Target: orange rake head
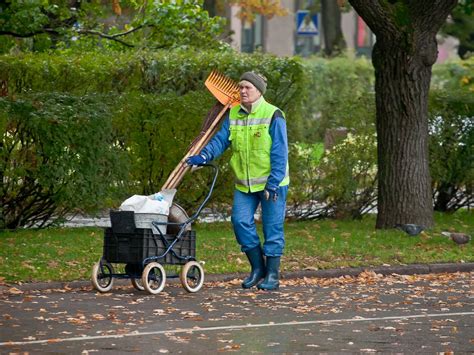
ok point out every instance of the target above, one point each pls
(223, 88)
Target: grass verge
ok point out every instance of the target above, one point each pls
(66, 254)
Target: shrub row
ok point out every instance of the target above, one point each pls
(163, 72)
(84, 131)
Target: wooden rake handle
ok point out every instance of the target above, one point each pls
(178, 173)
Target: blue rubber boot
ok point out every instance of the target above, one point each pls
(271, 279)
(257, 263)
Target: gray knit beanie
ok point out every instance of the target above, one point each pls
(258, 80)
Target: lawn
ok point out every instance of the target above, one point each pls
(65, 254)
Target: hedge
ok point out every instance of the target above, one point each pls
(150, 106)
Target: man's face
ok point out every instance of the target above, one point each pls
(248, 93)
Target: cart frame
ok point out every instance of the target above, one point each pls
(148, 273)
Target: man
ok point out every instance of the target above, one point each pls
(256, 132)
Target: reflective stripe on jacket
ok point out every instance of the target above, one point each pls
(251, 144)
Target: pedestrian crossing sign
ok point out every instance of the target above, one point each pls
(306, 23)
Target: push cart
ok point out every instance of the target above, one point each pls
(144, 251)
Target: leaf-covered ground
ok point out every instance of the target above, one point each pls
(368, 313)
(68, 253)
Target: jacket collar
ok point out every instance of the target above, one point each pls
(254, 107)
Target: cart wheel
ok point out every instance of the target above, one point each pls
(192, 276)
(138, 284)
(154, 278)
(102, 278)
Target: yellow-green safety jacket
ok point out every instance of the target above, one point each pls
(251, 144)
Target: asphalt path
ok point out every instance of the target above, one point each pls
(370, 312)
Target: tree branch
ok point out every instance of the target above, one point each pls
(433, 13)
(128, 32)
(106, 36)
(375, 16)
(113, 37)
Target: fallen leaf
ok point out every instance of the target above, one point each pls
(15, 291)
(53, 264)
(98, 316)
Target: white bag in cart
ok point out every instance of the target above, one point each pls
(147, 209)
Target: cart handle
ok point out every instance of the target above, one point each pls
(211, 189)
(196, 214)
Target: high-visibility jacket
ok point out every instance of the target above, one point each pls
(251, 144)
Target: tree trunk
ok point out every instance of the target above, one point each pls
(334, 41)
(403, 56)
(402, 88)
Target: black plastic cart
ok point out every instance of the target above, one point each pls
(144, 253)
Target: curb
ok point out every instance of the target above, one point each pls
(411, 269)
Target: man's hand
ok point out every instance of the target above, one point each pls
(270, 194)
(196, 160)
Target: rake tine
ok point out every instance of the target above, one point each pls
(224, 88)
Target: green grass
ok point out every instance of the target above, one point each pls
(65, 254)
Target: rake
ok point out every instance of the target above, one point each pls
(226, 91)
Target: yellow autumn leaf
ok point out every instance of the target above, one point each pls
(116, 7)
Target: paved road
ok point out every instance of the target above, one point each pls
(426, 313)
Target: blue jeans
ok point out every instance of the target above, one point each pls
(273, 217)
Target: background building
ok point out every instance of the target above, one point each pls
(288, 35)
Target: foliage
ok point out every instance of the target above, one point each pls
(461, 26)
(348, 176)
(154, 103)
(340, 183)
(157, 101)
(454, 76)
(303, 199)
(468, 6)
(167, 24)
(56, 157)
(66, 254)
(178, 72)
(249, 8)
(341, 95)
(452, 149)
(85, 25)
(155, 131)
(452, 134)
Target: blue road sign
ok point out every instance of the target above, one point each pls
(306, 24)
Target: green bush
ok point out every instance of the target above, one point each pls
(162, 72)
(339, 183)
(155, 101)
(454, 75)
(156, 131)
(57, 156)
(348, 177)
(452, 149)
(303, 198)
(341, 94)
(152, 104)
(452, 134)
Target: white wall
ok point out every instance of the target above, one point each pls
(280, 32)
(236, 27)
